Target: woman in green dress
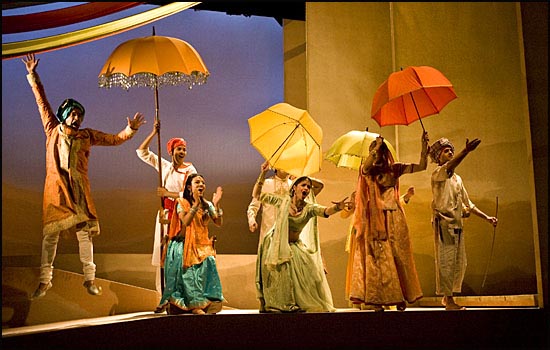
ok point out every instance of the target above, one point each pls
(289, 269)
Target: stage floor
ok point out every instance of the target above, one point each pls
(144, 315)
(493, 328)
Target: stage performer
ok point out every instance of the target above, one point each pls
(381, 271)
(290, 276)
(192, 280)
(174, 175)
(68, 207)
(450, 205)
(279, 183)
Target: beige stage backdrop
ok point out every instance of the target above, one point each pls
(333, 64)
(351, 48)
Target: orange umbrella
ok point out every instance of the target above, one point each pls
(411, 94)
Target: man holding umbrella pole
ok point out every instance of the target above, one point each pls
(68, 207)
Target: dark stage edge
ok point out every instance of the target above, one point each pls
(512, 328)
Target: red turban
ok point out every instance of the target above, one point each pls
(175, 142)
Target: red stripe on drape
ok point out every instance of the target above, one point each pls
(62, 17)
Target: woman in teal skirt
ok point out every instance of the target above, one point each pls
(192, 283)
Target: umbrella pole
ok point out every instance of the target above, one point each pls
(418, 114)
(161, 209)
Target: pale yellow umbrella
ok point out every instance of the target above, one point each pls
(350, 149)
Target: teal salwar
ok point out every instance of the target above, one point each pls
(189, 288)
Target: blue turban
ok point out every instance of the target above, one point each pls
(66, 108)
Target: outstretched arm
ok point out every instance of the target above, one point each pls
(457, 159)
(338, 206)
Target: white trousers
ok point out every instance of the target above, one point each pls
(49, 249)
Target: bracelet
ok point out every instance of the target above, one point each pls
(261, 179)
(193, 210)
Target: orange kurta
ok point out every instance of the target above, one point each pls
(198, 244)
(67, 196)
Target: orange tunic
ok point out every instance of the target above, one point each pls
(67, 196)
(198, 244)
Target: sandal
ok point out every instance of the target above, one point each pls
(161, 308)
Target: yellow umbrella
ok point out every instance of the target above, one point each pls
(288, 138)
(153, 61)
(350, 149)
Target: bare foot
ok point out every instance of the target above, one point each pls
(198, 312)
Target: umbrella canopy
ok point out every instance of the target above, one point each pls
(350, 149)
(153, 61)
(411, 94)
(288, 138)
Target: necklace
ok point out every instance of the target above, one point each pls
(296, 209)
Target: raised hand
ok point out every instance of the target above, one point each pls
(217, 196)
(136, 122)
(341, 205)
(31, 62)
(472, 145)
(265, 166)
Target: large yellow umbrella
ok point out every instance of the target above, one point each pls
(288, 138)
(154, 61)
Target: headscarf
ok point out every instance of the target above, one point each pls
(279, 250)
(295, 181)
(437, 147)
(66, 107)
(175, 142)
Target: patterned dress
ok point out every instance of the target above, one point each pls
(381, 268)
